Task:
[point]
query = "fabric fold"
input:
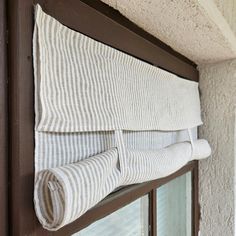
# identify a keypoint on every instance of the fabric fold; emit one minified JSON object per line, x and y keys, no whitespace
{"x":149,"y":165}
{"x":84,"y":85}
{"x":64,"y":193}
{"x":201,"y":149}
{"x":103,"y":119}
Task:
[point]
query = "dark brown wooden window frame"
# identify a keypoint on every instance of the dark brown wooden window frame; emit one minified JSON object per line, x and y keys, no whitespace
{"x":129,"y":194}
{"x":3,"y":122}
{"x":104,"y":24}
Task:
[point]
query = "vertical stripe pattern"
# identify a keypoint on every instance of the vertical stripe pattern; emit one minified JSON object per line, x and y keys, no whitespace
{"x":74,"y":176}
{"x":68,"y":191}
{"x":103,"y":120}
{"x":84,"y":85}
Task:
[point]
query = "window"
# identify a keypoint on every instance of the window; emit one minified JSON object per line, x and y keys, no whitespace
{"x":129,"y":220}
{"x":102,"y":21}
{"x":174,"y":207}
{"x":163,"y":207}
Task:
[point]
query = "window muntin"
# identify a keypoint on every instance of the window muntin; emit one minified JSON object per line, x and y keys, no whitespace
{"x":167,"y":209}
{"x":131,"y":220}
{"x":174,"y":207}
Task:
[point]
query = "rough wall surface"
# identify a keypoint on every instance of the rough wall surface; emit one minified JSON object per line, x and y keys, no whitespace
{"x":228,"y":10}
{"x":184,"y":25}
{"x":218,"y":88}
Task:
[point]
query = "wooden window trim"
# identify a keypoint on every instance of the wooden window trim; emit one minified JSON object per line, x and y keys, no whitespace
{"x":105,"y":24}
{"x":124,"y":197}
{"x":3,"y":121}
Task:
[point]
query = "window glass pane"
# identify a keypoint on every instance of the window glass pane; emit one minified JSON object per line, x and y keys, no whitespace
{"x":131,"y":220}
{"x":174,"y":207}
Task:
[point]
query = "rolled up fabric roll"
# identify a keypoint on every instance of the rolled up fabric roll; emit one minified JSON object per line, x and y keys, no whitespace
{"x":64,"y":193}
{"x":201,"y":149}
{"x":149,"y":165}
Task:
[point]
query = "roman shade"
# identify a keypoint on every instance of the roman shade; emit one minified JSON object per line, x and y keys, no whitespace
{"x":104,"y":119}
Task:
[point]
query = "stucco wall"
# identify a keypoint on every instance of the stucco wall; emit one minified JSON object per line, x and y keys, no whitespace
{"x":195,"y":28}
{"x":228,"y":10}
{"x":218,"y":88}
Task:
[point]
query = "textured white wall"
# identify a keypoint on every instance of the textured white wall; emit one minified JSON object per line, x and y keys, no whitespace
{"x":228,"y":10}
{"x":195,"y":28}
{"x":218,"y":88}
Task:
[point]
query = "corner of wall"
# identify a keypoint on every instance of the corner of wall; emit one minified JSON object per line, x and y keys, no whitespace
{"x":216,"y":175}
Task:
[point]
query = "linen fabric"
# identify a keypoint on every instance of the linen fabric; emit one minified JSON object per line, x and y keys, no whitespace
{"x":84,"y":85}
{"x":104,"y":119}
{"x":62,"y":194}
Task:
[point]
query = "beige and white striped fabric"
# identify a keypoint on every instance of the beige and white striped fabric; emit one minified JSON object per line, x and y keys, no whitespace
{"x":84,"y":85}
{"x":64,"y":193}
{"x":103,"y":120}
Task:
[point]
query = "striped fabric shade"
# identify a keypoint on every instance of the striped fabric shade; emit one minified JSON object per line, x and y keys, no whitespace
{"x":104,"y":119}
{"x":84,"y":85}
{"x":80,"y":185}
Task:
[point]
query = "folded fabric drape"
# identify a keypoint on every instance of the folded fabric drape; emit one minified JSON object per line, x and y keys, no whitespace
{"x":84,"y":85}
{"x":104,"y":119}
{"x":58,"y":149}
{"x":62,"y":194}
